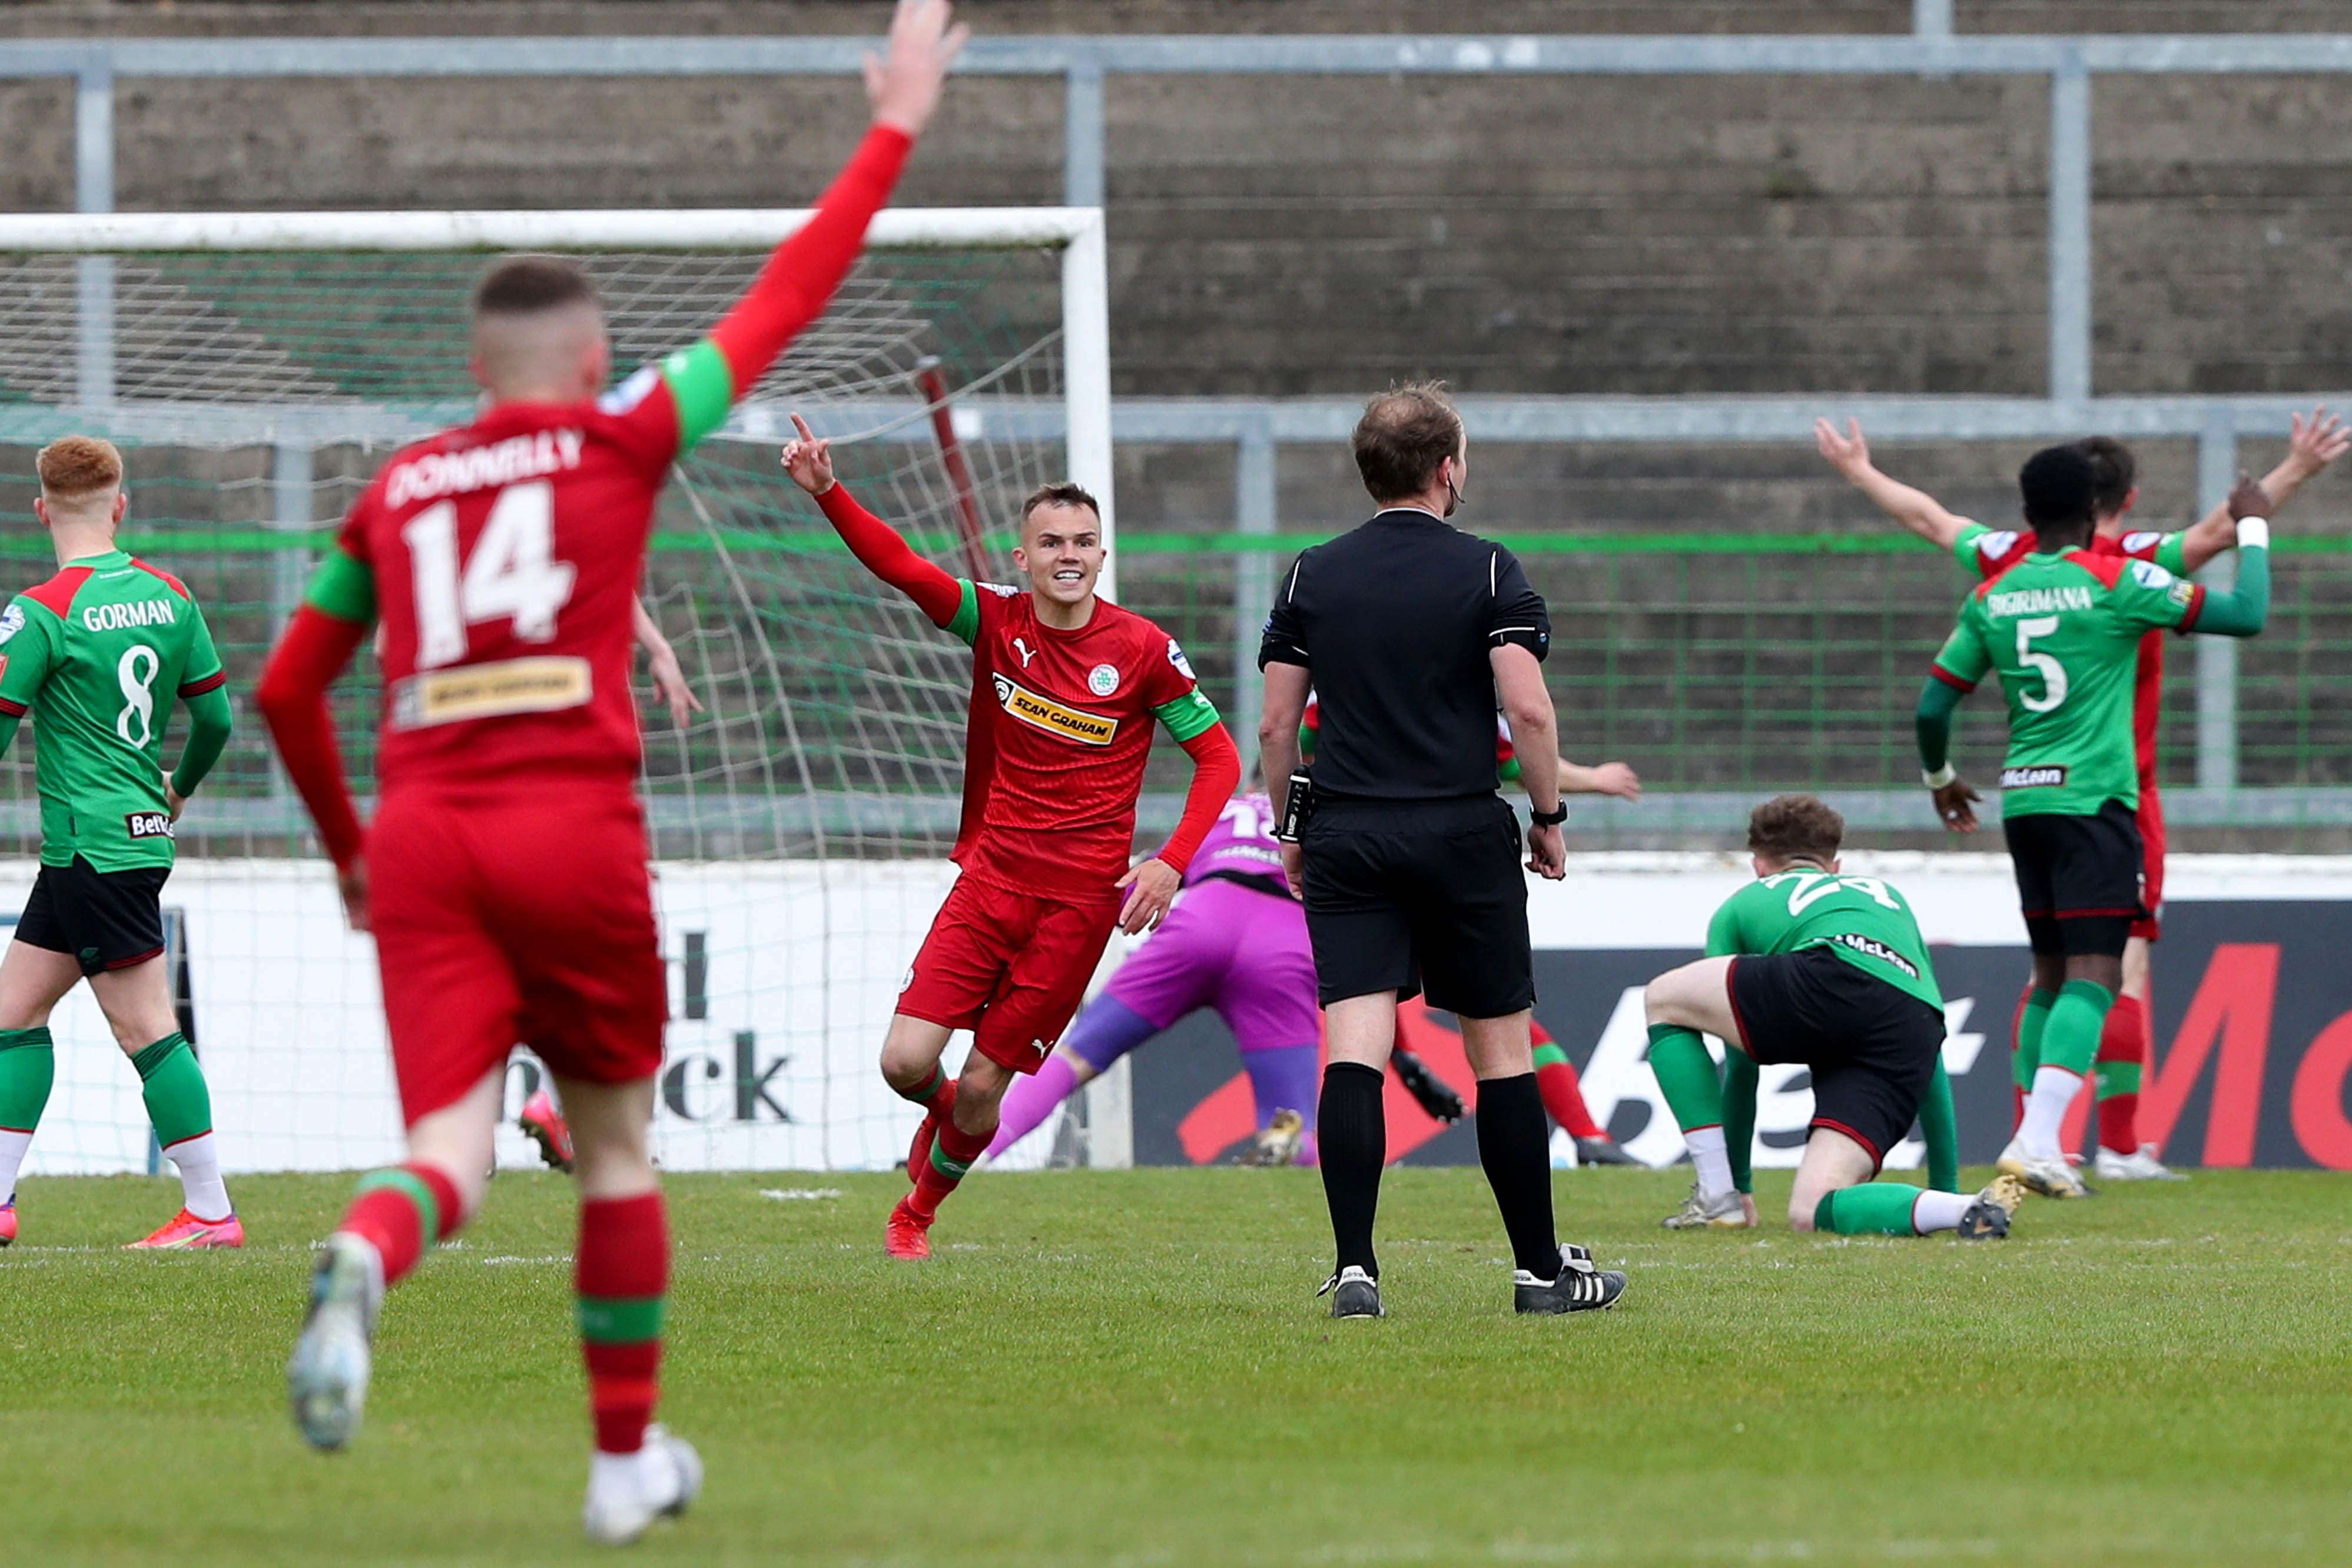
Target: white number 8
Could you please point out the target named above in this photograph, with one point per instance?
(136, 675)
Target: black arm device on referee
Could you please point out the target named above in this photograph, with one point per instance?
(1297, 807)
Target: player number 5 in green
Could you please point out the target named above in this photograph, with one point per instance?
(136, 675)
(2053, 673)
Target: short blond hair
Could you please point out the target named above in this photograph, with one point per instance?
(73, 467)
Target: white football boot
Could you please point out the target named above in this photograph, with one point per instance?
(2051, 1176)
(327, 1380)
(2140, 1164)
(626, 1492)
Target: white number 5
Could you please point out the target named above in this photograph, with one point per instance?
(2053, 673)
(511, 574)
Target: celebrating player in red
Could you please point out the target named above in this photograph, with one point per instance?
(504, 877)
(2124, 1047)
(1065, 687)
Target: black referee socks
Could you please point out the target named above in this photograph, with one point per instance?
(1515, 1146)
(1352, 1133)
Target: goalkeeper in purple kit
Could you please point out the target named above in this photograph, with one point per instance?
(1236, 942)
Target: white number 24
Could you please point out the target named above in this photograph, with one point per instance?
(512, 572)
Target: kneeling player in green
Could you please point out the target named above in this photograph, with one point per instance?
(93, 654)
(1810, 965)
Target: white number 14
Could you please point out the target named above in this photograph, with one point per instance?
(511, 574)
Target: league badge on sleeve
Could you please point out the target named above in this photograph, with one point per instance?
(1184, 665)
(12, 621)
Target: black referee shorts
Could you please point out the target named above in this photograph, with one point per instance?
(104, 919)
(1420, 896)
(1873, 1048)
(2079, 879)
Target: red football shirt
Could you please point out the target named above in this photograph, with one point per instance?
(505, 555)
(1060, 729)
(1994, 552)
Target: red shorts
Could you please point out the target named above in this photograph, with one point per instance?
(1010, 966)
(2151, 837)
(511, 919)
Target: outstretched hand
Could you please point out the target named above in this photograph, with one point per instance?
(2317, 441)
(1849, 454)
(1618, 779)
(808, 460)
(1150, 888)
(903, 82)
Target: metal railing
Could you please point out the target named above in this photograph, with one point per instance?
(1255, 429)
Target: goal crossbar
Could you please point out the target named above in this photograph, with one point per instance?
(1077, 233)
(586, 229)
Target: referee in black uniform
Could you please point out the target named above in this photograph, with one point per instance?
(1407, 628)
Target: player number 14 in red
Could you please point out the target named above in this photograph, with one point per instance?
(512, 572)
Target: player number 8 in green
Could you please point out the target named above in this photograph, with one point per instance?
(136, 675)
(2053, 673)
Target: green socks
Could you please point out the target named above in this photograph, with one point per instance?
(28, 1066)
(1686, 1076)
(2025, 1058)
(2071, 1038)
(1940, 1128)
(172, 1083)
(1739, 1080)
(1872, 1208)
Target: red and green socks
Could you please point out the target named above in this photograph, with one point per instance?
(623, 1276)
(936, 1095)
(2122, 1059)
(2068, 1042)
(28, 1067)
(1687, 1078)
(952, 1153)
(1563, 1096)
(181, 1108)
(401, 1211)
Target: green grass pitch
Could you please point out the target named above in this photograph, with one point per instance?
(1129, 1367)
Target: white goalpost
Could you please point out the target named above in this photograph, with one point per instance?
(257, 367)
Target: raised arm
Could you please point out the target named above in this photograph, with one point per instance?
(1914, 508)
(903, 85)
(2246, 606)
(874, 543)
(2313, 445)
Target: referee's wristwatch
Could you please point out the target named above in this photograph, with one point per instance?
(1551, 818)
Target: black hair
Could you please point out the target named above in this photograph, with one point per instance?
(2059, 486)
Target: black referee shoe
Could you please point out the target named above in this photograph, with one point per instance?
(1580, 1288)
(1354, 1294)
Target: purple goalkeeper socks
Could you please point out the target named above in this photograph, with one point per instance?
(1030, 1100)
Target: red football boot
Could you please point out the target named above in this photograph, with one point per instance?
(907, 1236)
(544, 1125)
(918, 1152)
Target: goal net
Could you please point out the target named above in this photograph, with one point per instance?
(258, 369)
